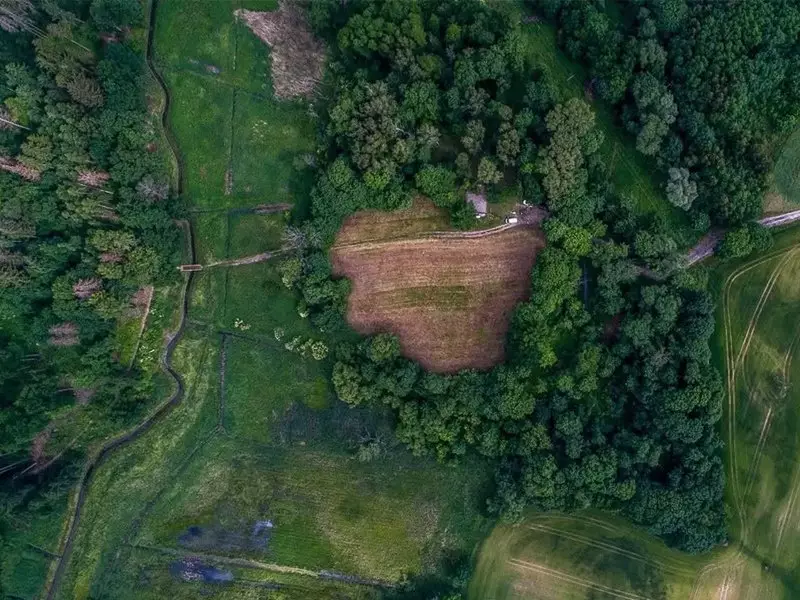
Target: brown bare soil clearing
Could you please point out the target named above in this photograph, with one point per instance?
(297, 56)
(449, 300)
(375, 225)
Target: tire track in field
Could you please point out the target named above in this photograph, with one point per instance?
(575, 580)
(787, 513)
(762, 301)
(601, 545)
(762, 438)
(730, 363)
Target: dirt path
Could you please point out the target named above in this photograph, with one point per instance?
(707, 244)
(273, 567)
(150, 290)
(53, 583)
(247, 260)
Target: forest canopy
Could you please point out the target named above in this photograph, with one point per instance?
(607, 399)
(86, 225)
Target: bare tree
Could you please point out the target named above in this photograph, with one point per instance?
(111, 257)
(64, 334)
(15, 15)
(14, 166)
(152, 190)
(95, 179)
(86, 288)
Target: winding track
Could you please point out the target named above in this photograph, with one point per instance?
(53, 585)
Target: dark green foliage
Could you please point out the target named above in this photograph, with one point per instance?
(740, 242)
(439, 184)
(704, 86)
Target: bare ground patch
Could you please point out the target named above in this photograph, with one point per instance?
(297, 56)
(449, 300)
(375, 225)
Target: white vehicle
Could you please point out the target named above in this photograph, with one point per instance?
(512, 218)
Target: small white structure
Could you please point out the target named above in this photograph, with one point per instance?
(512, 218)
(478, 202)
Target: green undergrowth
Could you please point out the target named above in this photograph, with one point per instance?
(271, 143)
(127, 482)
(254, 233)
(786, 173)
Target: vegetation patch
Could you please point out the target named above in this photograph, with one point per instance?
(448, 300)
(587, 555)
(784, 193)
(377, 226)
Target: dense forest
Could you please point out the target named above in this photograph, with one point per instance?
(86, 221)
(610, 402)
(706, 87)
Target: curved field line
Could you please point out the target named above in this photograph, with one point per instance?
(730, 364)
(579, 581)
(575, 537)
(762, 438)
(784, 519)
(549, 516)
(674, 565)
(762, 301)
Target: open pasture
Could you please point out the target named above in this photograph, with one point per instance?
(449, 300)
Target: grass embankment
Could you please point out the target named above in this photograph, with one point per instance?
(280, 447)
(784, 192)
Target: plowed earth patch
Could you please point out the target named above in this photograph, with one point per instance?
(449, 300)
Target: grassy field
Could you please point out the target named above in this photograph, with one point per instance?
(583, 556)
(259, 437)
(448, 300)
(784, 193)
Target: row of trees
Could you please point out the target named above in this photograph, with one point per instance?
(706, 88)
(85, 223)
(607, 399)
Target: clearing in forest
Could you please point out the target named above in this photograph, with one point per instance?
(448, 299)
(784, 191)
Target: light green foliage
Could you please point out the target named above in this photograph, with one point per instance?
(439, 184)
(488, 173)
(681, 190)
